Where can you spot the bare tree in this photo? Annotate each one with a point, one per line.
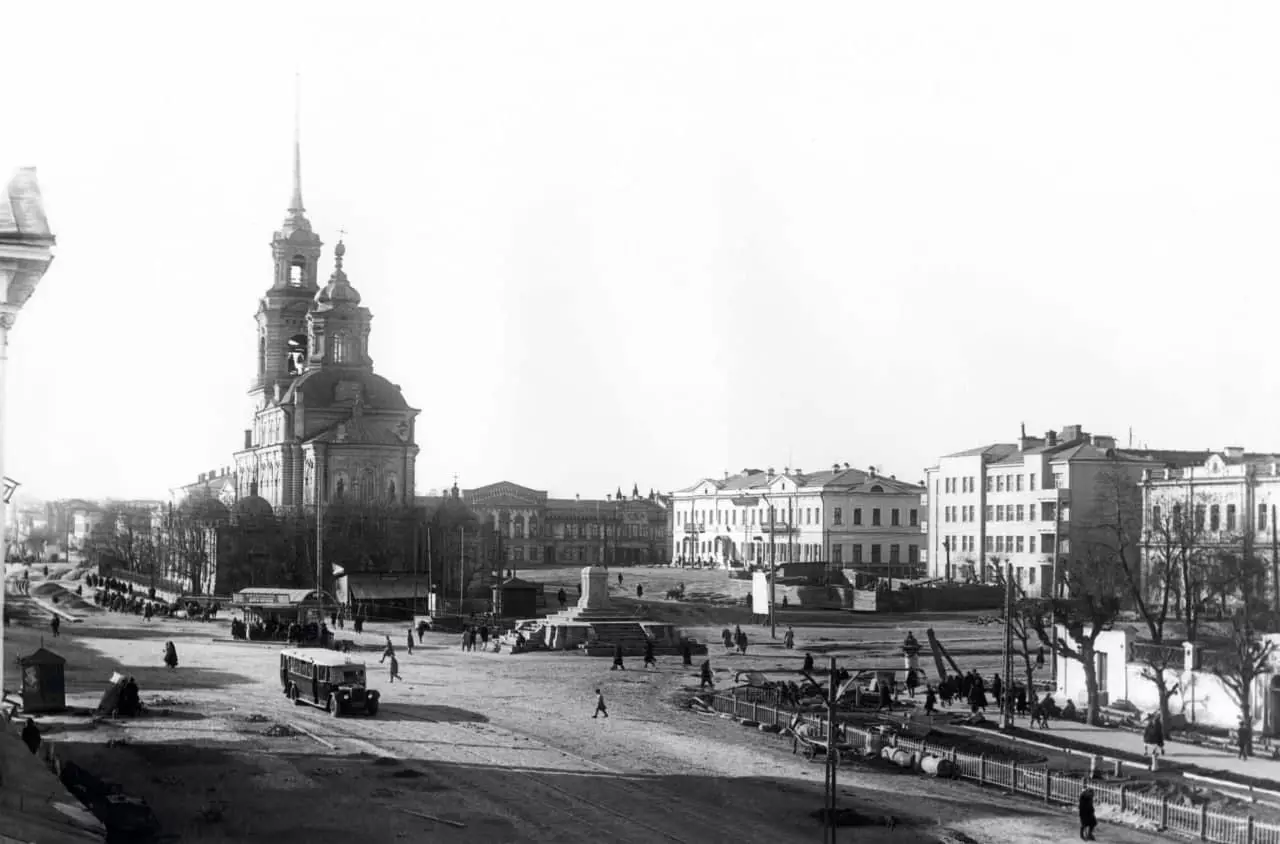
(1246, 655)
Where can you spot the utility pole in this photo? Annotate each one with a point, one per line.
(833, 761)
(946, 547)
(462, 566)
(430, 576)
(320, 552)
(1275, 561)
(773, 573)
(1006, 714)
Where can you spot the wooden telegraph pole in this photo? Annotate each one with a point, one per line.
(1006, 714)
(833, 761)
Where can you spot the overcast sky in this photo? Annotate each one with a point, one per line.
(607, 244)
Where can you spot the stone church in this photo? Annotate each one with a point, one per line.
(326, 428)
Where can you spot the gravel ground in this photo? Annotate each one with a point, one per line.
(492, 747)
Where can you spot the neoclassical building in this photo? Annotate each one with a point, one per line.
(326, 428)
(538, 529)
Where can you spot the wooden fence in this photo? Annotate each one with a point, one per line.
(1038, 781)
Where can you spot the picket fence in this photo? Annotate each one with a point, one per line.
(1195, 822)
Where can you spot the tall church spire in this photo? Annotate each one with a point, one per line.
(295, 203)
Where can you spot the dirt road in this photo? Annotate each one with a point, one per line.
(489, 747)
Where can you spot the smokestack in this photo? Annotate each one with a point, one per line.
(1051, 438)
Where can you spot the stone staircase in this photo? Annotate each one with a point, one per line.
(630, 635)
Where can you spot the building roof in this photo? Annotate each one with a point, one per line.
(22, 214)
(290, 596)
(990, 453)
(323, 656)
(524, 585)
(843, 480)
(318, 389)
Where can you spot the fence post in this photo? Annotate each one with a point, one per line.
(1124, 798)
(1048, 784)
(1164, 813)
(982, 769)
(1013, 777)
(755, 711)
(1204, 819)
(1248, 837)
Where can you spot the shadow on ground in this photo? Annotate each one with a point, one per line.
(423, 712)
(269, 789)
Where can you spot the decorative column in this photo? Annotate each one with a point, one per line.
(26, 249)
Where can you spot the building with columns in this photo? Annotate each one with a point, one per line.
(845, 517)
(1229, 503)
(537, 529)
(26, 250)
(327, 429)
(1027, 503)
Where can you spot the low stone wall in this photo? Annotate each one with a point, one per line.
(929, 599)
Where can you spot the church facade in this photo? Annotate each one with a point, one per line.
(327, 429)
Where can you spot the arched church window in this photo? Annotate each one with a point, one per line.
(296, 354)
(297, 271)
(262, 355)
(341, 348)
(391, 490)
(518, 533)
(340, 488)
(533, 527)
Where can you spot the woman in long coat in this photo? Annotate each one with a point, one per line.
(170, 655)
(1088, 819)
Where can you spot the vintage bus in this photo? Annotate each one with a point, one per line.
(328, 680)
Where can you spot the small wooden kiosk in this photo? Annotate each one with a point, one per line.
(44, 686)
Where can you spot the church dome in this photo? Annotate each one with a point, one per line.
(253, 507)
(338, 291)
(319, 388)
(204, 508)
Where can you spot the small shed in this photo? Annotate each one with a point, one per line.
(280, 608)
(517, 598)
(44, 687)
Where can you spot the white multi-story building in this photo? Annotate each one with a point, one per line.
(846, 517)
(1231, 497)
(1025, 503)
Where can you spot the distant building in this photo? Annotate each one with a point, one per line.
(845, 517)
(1027, 503)
(538, 529)
(1230, 500)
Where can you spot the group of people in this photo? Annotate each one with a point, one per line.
(735, 641)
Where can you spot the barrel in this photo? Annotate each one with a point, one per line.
(903, 759)
(936, 766)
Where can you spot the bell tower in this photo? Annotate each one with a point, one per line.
(337, 327)
(282, 312)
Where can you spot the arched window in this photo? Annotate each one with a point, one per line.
(391, 489)
(296, 355)
(533, 527)
(341, 350)
(297, 271)
(518, 533)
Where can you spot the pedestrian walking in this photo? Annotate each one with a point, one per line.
(808, 664)
(170, 655)
(409, 641)
(996, 688)
(1088, 818)
(617, 659)
(686, 651)
(619, 578)
(54, 624)
(649, 659)
(395, 670)
(1153, 737)
(388, 651)
(1245, 732)
(472, 635)
(708, 682)
(1040, 657)
(466, 637)
(913, 680)
(147, 612)
(639, 590)
(789, 638)
(484, 636)
(422, 630)
(601, 709)
(727, 638)
(930, 700)
(31, 735)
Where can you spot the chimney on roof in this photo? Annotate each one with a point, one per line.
(1234, 452)
(846, 466)
(1071, 433)
(786, 470)
(726, 474)
(1050, 438)
(770, 471)
(200, 479)
(871, 469)
(1103, 441)
(799, 471)
(893, 477)
(835, 467)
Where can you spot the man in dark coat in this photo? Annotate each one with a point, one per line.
(1153, 737)
(617, 659)
(997, 690)
(31, 735)
(930, 700)
(707, 681)
(808, 664)
(54, 624)
(1088, 819)
(686, 652)
(649, 659)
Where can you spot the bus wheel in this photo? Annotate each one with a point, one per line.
(335, 707)
(293, 694)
